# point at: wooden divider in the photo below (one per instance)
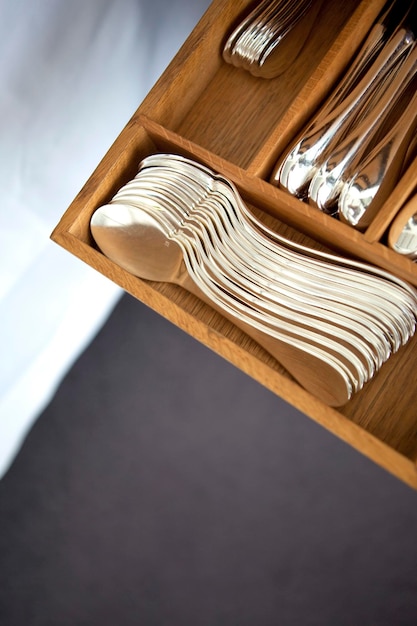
(381, 420)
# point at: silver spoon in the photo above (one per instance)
(365, 192)
(306, 323)
(368, 282)
(295, 170)
(326, 185)
(251, 288)
(136, 241)
(402, 235)
(239, 257)
(267, 41)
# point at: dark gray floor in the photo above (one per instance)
(163, 487)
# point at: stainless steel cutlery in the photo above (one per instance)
(352, 153)
(267, 41)
(330, 321)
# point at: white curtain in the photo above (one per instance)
(72, 73)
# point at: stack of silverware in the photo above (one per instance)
(331, 322)
(349, 158)
(402, 234)
(268, 40)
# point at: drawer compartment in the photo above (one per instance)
(218, 117)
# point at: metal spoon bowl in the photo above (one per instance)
(402, 235)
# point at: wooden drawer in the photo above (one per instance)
(238, 125)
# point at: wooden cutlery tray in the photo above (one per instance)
(238, 125)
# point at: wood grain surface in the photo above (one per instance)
(236, 124)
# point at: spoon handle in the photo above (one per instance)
(315, 374)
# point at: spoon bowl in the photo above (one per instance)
(130, 238)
